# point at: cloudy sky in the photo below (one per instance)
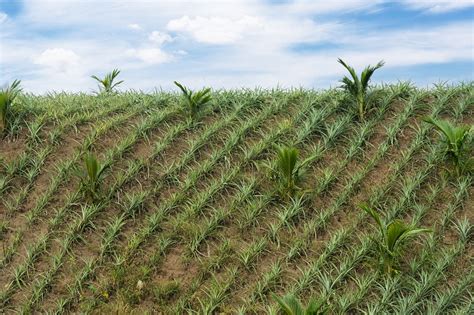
(58, 44)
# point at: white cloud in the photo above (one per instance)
(150, 55)
(3, 17)
(317, 7)
(255, 42)
(216, 30)
(439, 6)
(110, 14)
(254, 65)
(159, 37)
(57, 69)
(135, 27)
(447, 43)
(59, 59)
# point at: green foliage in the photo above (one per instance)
(358, 87)
(391, 237)
(194, 100)
(286, 166)
(290, 305)
(287, 169)
(107, 85)
(3, 228)
(456, 139)
(166, 290)
(91, 176)
(7, 96)
(191, 188)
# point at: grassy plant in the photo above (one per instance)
(7, 96)
(358, 87)
(456, 138)
(269, 280)
(391, 237)
(107, 84)
(194, 100)
(3, 228)
(166, 290)
(290, 305)
(134, 202)
(217, 293)
(287, 170)
(249, 254)
(91, 176)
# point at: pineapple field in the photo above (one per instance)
(261, 201)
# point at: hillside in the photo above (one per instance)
(188, 216)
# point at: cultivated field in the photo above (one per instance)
(195, 213)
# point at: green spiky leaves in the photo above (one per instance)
(290, 305)
(7, 96)
(456, 139)
(391, 237)
(357, 86)
(287, 169)
(194, 100)
(286, 166)
(107, 84)
(91, 176)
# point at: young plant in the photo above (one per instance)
(91, 176)
(7, 96)
(290, 305)
(391, 237)
(358, 87)
(194, 100)
(456, 139)
(107, 84)
(287, 169)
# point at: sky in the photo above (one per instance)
(56, 45)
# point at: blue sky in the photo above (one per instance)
(54, 45)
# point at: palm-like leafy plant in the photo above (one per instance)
(290, 305)
(194, 100)
(107, 84)
(7, 97)
(287, 169)
(91, 176)
(391, 237)
(455, 138)
(357, 87)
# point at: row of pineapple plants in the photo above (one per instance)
(191, 151)
(434, 158)
(210, 226)
(154, 219)
(393, 212)
(272, 233)
(71, 199)
(92, 177)
(455, 152)
(65, 170)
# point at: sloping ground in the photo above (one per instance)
(191, 221)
